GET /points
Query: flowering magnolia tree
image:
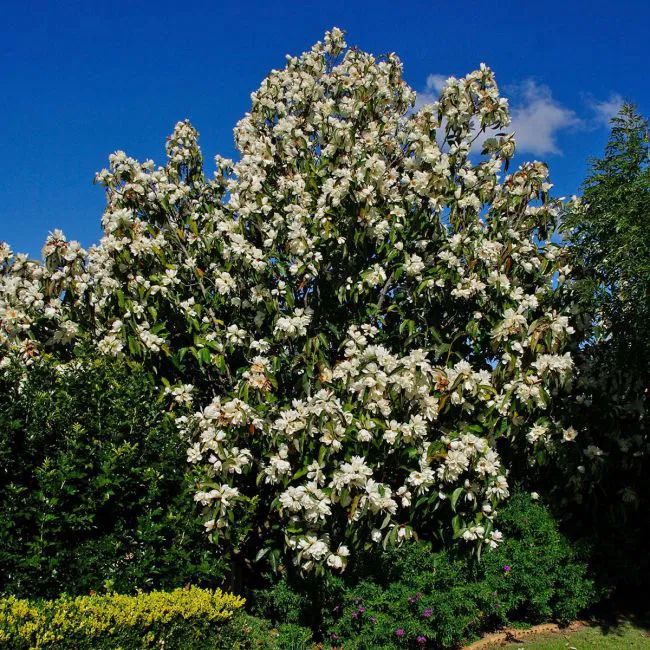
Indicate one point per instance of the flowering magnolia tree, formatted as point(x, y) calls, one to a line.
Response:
point(346, 320)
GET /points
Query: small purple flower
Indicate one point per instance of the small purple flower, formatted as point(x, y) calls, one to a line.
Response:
point(506, 568)
point(334, 636)
point(373, 619)
point(400, 632)
point(361, 609)
point(421, 639)
point(427, 613)
point(414, 599)
point(355, 614)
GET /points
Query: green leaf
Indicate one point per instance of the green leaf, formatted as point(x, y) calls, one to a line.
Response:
point(454, 498)
point(353, 507)
point(457, 526)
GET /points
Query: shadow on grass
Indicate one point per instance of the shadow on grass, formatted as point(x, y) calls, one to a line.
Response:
point(633, 609)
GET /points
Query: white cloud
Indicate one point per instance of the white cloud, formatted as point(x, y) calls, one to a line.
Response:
point(537, 118)
point(604, 111)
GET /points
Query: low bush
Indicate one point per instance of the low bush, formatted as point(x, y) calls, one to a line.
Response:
point(183, 619)
point(414, 597)
point(95, 490)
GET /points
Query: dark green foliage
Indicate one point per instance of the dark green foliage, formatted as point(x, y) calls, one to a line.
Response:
point(547, 580)
point(94, 486)
point(606, 496)
point(610, 240)
point(294, 637)
point(536, 575)
point(286, 604)
point(245, 632)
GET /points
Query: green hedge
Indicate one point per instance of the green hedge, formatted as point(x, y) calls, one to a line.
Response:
point(95, 488)
point(182, 619)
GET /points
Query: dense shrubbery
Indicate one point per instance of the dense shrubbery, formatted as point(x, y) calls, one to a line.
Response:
point(94, 487)
point(393, 598)
point(177, 620)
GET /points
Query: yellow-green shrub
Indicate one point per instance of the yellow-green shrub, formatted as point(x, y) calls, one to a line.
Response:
point(176, 619)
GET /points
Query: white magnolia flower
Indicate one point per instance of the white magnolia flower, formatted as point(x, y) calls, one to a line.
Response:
point(342, 315)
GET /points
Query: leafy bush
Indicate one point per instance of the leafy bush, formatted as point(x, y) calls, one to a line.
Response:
point(181, 619)
point(294, 637)
point(359, 308)
point(94, 487)
point(245, 632)
point(414, 597)
point(548, 571)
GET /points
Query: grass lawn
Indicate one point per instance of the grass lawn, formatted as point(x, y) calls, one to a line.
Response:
point(622, 636)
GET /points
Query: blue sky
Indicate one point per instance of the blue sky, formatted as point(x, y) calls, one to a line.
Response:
point(83, 79)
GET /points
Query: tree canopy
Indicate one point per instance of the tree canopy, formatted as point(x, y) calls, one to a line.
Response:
point(347, 320)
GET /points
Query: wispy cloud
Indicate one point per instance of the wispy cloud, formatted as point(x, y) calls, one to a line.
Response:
point(435, 84)
point(604, 111)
